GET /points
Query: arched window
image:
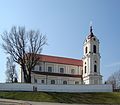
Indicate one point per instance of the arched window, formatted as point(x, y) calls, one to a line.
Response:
point(95, 68)
point(85, 69)
point(86, 50)
point(94, 48)
point(52, 81)
point(64, 82)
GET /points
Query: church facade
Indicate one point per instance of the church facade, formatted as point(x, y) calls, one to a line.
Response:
point(69, 71)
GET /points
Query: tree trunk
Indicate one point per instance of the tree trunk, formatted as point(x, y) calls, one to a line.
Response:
point(24, 73)
point(29, 76)
point(25, 78)
point(29, 79)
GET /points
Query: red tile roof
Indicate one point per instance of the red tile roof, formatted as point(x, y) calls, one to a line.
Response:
point(61, 60)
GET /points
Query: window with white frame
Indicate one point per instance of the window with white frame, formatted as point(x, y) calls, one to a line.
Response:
point(86, 49)
point(72, 71)
point(52, 81)
point(42, 81)
point(49, 69)
point(40, 68)
point(35, 80)
point(61, 70)
point(94, 48)
point(95, 68)
point(85, 69)
point(64, 82)
point(76, 82)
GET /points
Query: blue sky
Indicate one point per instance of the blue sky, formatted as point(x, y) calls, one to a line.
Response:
point(66, 24)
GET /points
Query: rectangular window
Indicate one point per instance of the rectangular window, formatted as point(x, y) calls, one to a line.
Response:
point(42, 81)
point(52, 81)
point(94, 48)
point(61, 70)
point(95, 68)
point(85, 69)
point(76, 82)
point(72, 71)
point(35, 80)
point(40, 68)
point(49, 69)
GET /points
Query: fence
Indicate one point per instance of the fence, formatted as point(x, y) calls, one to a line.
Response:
point(54, 88)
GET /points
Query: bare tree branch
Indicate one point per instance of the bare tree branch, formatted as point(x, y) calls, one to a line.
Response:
point(114, 79)
point(24, 47)
point(11, 74)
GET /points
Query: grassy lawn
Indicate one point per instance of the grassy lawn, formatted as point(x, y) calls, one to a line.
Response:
point(92, 98)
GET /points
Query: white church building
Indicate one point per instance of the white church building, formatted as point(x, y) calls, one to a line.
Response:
point(60, 70)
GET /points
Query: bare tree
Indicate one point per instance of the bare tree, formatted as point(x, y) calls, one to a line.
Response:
point(25, 47)
point(11, 74)
point(114, 79)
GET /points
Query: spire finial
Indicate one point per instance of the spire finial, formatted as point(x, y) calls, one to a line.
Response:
point(91, 27)
point(91, 30)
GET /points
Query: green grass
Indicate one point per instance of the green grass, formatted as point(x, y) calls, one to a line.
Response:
point(86, 98)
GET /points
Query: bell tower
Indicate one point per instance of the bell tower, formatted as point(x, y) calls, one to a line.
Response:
point(91, 60)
